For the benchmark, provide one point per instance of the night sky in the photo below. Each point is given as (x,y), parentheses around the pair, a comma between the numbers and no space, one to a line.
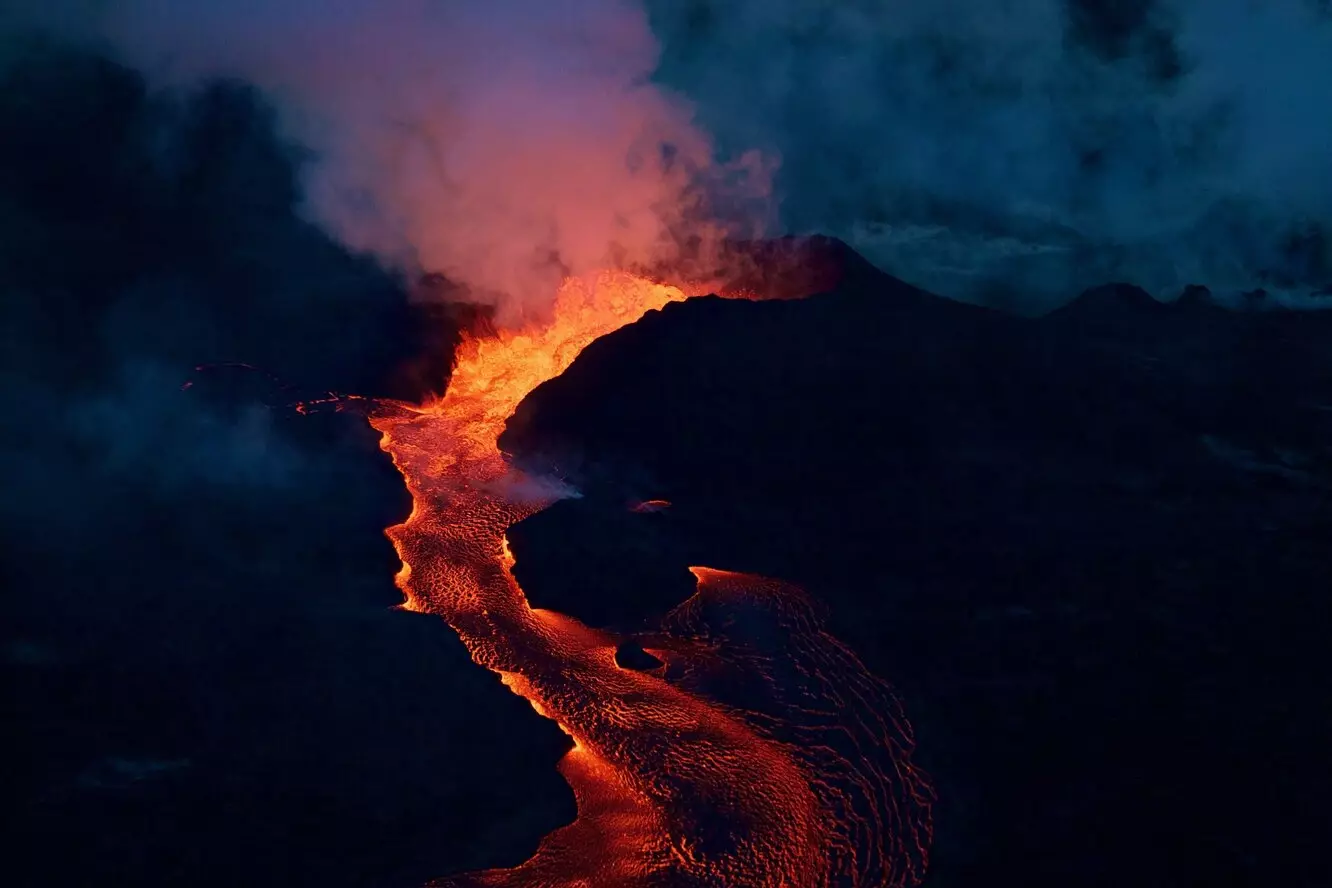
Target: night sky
(1087,548)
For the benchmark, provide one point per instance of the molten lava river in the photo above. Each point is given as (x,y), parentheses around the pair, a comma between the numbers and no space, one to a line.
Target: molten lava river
(760,753)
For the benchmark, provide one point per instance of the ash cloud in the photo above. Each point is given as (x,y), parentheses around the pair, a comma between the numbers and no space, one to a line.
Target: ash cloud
(503,144)
(1017,152)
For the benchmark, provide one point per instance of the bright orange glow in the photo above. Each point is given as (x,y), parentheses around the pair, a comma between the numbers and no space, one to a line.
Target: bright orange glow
(809,784)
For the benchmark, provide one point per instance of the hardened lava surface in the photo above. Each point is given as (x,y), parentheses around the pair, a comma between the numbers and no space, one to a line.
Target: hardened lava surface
(759,753)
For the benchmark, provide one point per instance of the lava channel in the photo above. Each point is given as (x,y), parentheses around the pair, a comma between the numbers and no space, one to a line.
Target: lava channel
(761,754)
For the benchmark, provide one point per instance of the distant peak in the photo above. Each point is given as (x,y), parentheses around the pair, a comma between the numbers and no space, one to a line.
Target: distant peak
(1116,296)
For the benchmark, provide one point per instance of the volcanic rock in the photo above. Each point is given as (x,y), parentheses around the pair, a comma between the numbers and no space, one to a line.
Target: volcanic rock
(630,655)
(1193,296)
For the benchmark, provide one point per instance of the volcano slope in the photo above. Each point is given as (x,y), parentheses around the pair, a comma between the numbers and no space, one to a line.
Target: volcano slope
(1089,549)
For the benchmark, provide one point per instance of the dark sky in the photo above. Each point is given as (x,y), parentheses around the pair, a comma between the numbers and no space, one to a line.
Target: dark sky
(1036,145)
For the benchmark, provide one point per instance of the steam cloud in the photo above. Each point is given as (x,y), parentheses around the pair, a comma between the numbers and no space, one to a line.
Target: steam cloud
(504,144)
(1009,151)
(1024,149)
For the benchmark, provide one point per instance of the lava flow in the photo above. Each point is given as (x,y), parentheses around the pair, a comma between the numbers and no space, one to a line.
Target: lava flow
(761,754)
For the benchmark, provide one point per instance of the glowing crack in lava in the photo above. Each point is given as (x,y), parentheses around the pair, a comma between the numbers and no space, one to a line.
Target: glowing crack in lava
(761,753)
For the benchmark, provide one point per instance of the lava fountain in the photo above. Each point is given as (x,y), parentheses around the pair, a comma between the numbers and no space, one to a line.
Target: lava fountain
(761,753)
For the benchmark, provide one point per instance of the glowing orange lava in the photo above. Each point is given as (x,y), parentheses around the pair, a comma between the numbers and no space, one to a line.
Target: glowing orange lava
(759,759)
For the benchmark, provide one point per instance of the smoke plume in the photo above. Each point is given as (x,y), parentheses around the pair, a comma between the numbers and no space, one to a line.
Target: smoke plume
(503,144)
(1023,149)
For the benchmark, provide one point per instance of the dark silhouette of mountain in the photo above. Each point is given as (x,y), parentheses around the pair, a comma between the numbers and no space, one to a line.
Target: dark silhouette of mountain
(1089,548)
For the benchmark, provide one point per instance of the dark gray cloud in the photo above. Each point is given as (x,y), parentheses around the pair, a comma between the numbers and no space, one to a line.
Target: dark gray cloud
(1028,149)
